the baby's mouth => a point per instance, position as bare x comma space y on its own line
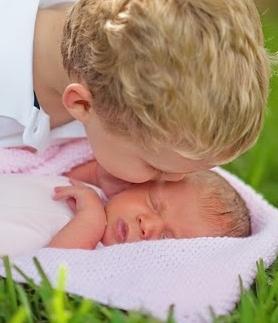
121, 231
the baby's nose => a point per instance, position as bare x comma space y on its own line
151, 226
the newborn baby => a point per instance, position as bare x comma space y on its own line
202, 205
34, 215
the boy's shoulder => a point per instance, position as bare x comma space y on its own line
17, 23
51, 3
17, 29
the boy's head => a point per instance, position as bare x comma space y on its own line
189, 77
203, 204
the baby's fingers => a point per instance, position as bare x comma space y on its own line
64, 192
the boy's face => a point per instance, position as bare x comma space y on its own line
152, 211
119, 156
123, 159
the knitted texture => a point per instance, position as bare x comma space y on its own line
194, 275
55, 160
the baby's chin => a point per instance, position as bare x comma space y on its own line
107, 238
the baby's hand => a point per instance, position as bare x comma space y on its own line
87, 227
81, 199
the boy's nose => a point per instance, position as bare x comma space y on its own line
171, 177
151, 226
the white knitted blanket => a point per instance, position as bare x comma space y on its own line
150, 276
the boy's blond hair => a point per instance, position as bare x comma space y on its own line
222, 206
192, 75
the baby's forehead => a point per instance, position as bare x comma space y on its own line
168, 189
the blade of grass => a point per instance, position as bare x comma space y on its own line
261, 283
19, 317
170, 317
60, 313
27, 279
23, 298
42, 273
10, 285
84, 309
246, 308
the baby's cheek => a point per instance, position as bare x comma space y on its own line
107, 238
134, 234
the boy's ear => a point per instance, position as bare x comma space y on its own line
77, 99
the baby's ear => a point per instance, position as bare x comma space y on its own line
77, 99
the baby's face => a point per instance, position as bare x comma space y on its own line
152, 211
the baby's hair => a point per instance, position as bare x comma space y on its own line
223, 207
192, 75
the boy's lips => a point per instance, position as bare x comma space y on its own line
121, 231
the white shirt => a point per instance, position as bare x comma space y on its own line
22, 124
29, 217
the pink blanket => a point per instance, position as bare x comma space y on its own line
191, 274
55, 160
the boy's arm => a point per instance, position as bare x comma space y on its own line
92, 173
87, 227
85, 172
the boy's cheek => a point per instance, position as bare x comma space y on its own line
110, 184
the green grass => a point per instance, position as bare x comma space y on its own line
28, 303
259, 166
260, 304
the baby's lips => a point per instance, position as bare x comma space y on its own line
121, 231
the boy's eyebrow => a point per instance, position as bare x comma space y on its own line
169, 172
183, 172
178, 172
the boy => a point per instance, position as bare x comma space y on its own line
162, 88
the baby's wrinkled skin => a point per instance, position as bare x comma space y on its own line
149, 211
